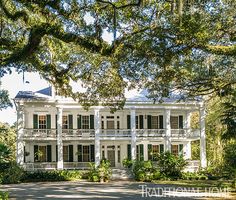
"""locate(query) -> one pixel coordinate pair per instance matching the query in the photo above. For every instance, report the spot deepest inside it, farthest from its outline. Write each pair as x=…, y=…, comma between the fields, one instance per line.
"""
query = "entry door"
x=111, y=157
x=110, y=125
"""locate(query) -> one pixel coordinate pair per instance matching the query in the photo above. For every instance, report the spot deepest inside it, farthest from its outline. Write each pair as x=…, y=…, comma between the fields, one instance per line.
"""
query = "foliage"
x=4, y=195
x=170, y=165
x=145, y=171
x=100, y=173
x=194, y=176
x=5, y=153
x=4, y=99
x=8, y=138
x=57, y=175
x=12, y=173
x=127, y=163
x=162, y=46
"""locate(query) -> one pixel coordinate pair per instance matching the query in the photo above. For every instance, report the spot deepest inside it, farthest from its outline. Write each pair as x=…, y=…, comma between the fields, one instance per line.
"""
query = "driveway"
x=88, y=190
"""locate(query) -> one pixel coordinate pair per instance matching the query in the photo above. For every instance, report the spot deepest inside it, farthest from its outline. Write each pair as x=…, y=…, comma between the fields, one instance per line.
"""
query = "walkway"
x=88, y=190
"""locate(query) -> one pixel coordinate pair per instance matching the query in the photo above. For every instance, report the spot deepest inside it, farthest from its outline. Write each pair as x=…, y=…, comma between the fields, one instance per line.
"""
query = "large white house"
x=54, y=132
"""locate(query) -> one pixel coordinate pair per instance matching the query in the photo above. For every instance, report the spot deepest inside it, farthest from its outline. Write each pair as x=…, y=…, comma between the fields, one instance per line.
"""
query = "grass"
x=198, y=183
x=203, y=184
x=4, y=195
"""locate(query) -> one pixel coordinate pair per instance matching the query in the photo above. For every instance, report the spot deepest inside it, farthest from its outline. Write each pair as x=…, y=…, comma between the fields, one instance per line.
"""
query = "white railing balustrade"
x=53, y=165
x=115, y=133
x=106, y=133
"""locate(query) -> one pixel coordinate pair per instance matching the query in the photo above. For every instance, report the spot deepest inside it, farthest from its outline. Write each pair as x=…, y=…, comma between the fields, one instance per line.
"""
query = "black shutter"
x=56, y=121
x=49, y=153
x=92, y=153
x=161, y=124
x=161, y=148
x=71, y=153
x=149, y=151
x=149, y=122
x=129, y=151
x=70, y=121
x=140, y=121
x=24, y=154
x=128, y=122
x=35, y=121
x=141, y=152
x=79, y=118
x=36, y=157
x=181, y=123
x=91, y=121
x=79, y=152
x=48, y=121
x=56, y=153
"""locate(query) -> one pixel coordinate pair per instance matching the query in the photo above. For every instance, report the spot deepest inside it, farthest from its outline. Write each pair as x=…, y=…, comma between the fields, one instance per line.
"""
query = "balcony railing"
x=53, y=165
x=110, y=133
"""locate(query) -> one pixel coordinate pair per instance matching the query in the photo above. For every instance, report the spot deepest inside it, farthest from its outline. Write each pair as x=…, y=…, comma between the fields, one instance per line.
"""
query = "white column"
x=187, y=149
x=20, y=134
x=187, y=123
x=167, y=130
x=59, y=139
x=203, y=159
x=97, y=126
x=133, y=134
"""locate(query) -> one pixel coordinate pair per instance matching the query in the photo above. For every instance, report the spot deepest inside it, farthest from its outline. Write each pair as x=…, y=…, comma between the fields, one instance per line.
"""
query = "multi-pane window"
x=65, y=123
x=66, y=153
x=85, y=122
x=42, y=153
x=175, y=149
x=174, y=122
x=42, y=122
x=86, y=153
x=155, y=152
x=154, y=122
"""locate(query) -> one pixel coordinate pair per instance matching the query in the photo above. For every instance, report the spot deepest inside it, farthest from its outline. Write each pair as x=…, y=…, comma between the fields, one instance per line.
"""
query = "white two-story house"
x=54, y=132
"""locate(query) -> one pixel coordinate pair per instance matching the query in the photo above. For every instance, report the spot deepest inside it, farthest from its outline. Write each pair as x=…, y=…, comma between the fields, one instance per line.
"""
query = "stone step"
x=121, y=174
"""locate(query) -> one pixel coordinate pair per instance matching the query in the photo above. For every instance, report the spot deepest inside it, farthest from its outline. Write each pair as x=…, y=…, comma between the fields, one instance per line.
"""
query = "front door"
x=111, y=157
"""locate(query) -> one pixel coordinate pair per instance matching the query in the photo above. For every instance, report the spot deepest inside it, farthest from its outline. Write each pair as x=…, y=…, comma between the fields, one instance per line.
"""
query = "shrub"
x=63, y=175
x=4, y=195
x=127, y=163
x=145, y=171
x=12, y=174
x=100, y=173
x=171, y=166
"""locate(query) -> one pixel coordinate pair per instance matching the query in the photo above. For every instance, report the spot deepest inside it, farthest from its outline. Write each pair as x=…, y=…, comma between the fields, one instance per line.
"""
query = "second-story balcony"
x=110, y=134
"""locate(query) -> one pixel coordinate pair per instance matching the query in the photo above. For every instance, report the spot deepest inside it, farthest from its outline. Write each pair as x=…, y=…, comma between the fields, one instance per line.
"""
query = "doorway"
x=111, y=157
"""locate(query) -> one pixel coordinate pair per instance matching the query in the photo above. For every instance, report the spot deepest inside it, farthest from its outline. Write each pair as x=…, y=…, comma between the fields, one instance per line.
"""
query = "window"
x=175, y=149
x=174, y=122
x=154, y=122
x=42, y=154
x=102, y=125
x=86, y=154
x=42, y=122
x=139, y=152
x=65, y=122
x=85, y=122
x=66, y=153
x=155, y=152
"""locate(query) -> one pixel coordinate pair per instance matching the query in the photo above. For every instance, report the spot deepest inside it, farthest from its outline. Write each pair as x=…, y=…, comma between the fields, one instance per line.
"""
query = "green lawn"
x=203, y=184
x=198, y=183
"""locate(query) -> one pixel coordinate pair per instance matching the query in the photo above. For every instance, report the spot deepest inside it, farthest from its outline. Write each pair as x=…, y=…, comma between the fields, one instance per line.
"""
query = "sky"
x=14, y=83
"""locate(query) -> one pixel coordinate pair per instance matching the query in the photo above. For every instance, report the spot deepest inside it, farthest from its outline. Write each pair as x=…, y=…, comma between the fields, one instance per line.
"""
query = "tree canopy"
x=159, y=45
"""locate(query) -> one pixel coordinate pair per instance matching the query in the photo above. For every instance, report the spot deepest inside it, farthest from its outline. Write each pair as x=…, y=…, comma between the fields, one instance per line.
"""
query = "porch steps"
x=121, y=174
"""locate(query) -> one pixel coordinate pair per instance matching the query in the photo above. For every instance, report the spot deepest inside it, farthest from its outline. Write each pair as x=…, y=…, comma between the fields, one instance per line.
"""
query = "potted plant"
x=37, y=155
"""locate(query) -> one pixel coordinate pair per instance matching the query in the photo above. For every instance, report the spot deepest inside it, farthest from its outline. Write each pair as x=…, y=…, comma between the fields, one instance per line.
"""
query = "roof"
x=131, y=96
x=41, y=94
